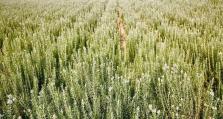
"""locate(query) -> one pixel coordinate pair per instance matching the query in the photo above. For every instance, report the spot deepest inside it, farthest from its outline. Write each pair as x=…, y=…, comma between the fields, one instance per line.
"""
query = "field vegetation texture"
x=120, y=59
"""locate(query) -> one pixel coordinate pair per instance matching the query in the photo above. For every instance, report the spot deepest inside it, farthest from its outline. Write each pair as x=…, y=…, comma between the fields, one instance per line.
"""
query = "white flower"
x=177, y=114
x=154, y=110
x=10, y=96
x=1, y=116
x=112, y=78
x=181, y=71
x=138, y=108
x=177, y=108
x=110, y=89
x=214, y=108
x=165, y=67
x=159, y=79
x=211, y=93
x=19, y=117
x=10, y=100
x=150, y=107
x=158, y=112
x=31, y=91
x=54, y=116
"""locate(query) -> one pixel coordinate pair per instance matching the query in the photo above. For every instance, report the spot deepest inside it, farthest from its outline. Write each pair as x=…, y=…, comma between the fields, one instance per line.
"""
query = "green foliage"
x=62, y=59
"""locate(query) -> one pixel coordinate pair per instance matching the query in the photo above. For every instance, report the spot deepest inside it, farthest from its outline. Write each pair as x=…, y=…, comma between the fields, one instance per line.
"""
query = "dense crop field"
x=68, y=59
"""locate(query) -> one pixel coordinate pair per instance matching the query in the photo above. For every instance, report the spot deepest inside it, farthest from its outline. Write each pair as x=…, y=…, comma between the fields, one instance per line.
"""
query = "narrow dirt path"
x=121, y=29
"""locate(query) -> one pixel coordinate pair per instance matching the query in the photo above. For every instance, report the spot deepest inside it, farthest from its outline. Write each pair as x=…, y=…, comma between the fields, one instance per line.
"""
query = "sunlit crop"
x=130, y=59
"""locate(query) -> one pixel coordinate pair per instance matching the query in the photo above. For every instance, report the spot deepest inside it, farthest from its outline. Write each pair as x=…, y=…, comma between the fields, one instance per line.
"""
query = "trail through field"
x=121, y=29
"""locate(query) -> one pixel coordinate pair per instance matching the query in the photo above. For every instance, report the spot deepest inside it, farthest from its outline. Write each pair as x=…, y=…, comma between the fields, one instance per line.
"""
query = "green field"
x=61, y=59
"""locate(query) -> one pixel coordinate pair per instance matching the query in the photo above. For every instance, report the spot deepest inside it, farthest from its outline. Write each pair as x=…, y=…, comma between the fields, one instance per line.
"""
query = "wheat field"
x=111, y=59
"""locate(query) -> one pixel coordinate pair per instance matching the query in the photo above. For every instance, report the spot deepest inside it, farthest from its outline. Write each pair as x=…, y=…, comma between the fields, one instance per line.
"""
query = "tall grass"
x=62, y=59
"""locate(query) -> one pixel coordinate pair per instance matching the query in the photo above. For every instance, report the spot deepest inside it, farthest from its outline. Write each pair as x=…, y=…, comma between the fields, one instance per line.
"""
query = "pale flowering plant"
x=10, y=99
x=1, y=116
